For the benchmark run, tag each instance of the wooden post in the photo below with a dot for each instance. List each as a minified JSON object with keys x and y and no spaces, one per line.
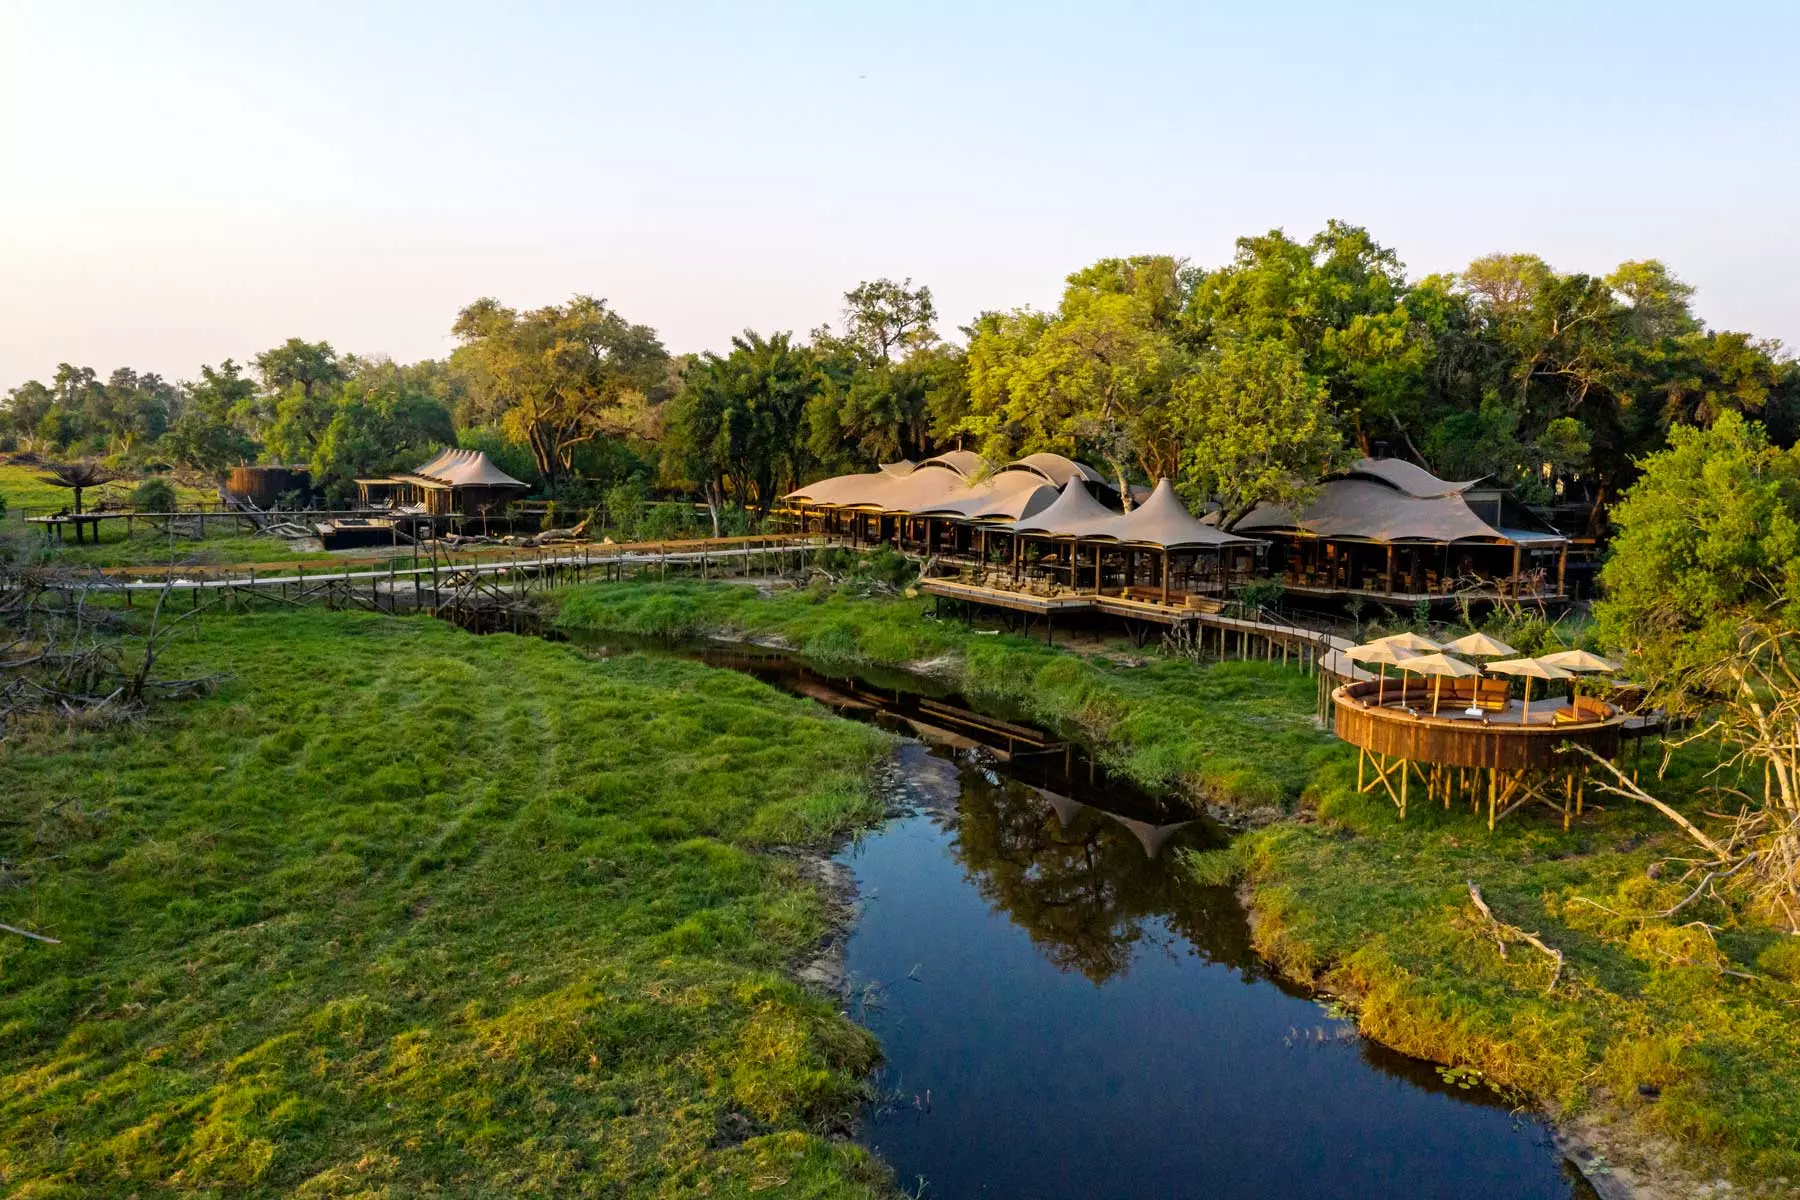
{"x":1096,"y":568}
{"x":1165,"y":579}
{"x":1562,"y":567}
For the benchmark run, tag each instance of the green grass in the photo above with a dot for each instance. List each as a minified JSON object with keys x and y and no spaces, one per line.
{"x":1237,"y":733}
{"x":400,"y":911}
{"x":1375,"y":907}
{"x":23,"y":486}
{"x":118,"y":546}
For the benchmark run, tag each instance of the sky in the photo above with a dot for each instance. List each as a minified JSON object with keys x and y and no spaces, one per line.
{"x":182,"y":182}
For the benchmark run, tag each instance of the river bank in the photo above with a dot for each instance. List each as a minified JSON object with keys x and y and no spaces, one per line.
{"x":1659,"y":1056}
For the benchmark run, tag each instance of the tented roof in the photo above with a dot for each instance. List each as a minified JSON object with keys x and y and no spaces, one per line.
{"x":1055,"y":468}
{"x":1075,"y":513}
{"x":1410,"y":478}
{"x":1162,"y":521}
{"x":940,"y":491}
{"x":965,"y":463}
{"x":1358,"y":507}
{"x":942,"y":486}
{"x":465,"y":468}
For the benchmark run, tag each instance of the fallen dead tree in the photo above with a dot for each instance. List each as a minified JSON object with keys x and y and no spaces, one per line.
{"x":549,"y":537}
{"x":64,"y":660}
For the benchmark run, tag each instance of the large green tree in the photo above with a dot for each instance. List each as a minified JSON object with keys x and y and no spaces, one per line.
{"x":1258,"y":428}
{"x":559,"y":377}
{"x":737,"y":428}
{"x":1702,"y":592}
{"x":1091,"y":380}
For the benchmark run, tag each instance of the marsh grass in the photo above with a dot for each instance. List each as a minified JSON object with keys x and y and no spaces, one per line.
{"x":1236,"y":733}
{"x":400,"y":911}
{"x":1644,"y":1019}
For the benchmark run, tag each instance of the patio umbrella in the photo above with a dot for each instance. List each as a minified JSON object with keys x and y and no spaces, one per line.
{"x":1381,"y":653}
{"x":1529,"y":669}
{"x":1409,"y":641}
{"x":1480,"y":645}
{"x":1580,"y":662}
{"x":1440,"y":665}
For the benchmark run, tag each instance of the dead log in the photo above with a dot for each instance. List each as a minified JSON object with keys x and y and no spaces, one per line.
{"x":1501,"y":931}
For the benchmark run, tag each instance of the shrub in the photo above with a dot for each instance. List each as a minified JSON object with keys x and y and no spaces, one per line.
{"x":154,"y":495}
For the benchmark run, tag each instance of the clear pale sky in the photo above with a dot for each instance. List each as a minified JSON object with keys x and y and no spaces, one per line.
{"x":180,"y":183}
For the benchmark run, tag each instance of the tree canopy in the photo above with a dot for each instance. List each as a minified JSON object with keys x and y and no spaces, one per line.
{"x":1242,"y":380}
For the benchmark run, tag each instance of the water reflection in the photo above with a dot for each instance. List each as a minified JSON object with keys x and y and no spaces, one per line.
{"x":1084,"y":883}
{"x":1063,"y":1015}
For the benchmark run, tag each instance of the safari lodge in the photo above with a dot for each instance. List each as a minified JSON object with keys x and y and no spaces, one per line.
{"x":1045,"y":533}
{"x":1387,"y":528}
{"x":1040,"y":536}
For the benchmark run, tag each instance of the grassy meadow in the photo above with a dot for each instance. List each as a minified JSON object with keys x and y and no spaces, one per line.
{"x":140,"y":546}
{"x":399,"y":911}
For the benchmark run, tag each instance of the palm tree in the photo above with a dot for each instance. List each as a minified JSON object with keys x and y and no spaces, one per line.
{"x":78,"y":475}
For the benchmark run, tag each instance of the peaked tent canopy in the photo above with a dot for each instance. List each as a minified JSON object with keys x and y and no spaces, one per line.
{"x":467,"y":468}
{"x":1164,"y":521}
{"x":1074,"y":514}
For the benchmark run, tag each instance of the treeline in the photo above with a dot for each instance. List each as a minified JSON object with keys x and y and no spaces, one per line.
{"x":1244,"y":382}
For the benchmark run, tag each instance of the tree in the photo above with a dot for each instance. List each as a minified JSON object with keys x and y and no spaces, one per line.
{"x":1258,"y":429}
{"x":559,"y":377}
{"x":882,"y":317}
{"x":1093,"y":379}
{"x":737,"y":426}
{"x":313,"y":367}
{"x":381,"y":420}
{"x":1702,"y":590}
{"x":206,"y":442}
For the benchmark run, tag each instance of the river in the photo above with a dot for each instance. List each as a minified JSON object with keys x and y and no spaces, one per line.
{"x":1065,"y":1014}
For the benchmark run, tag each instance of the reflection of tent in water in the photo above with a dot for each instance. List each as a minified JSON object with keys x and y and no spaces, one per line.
{"x":1151,"y":836}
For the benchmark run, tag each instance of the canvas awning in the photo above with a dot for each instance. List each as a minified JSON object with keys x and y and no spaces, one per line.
{"x":468,"y":468}
{"x":1074,"y":514}
{"x":1164,"y":522}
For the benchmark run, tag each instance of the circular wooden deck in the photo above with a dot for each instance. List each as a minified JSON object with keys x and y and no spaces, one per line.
{"x":1501,"y":740}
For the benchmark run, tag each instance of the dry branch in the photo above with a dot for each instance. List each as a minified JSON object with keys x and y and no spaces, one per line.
{"x":26,"y":933}
{"x":1501,"y":931}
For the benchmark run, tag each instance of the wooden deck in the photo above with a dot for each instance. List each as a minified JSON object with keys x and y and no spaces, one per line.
{"x":1015,"y":601}
{"x":1403,"y":727}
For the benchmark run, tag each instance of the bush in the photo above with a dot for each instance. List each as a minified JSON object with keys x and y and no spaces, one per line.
{"x":1262,"y":593}
{"x":154,"y":495}
{"x":625,"y":509}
